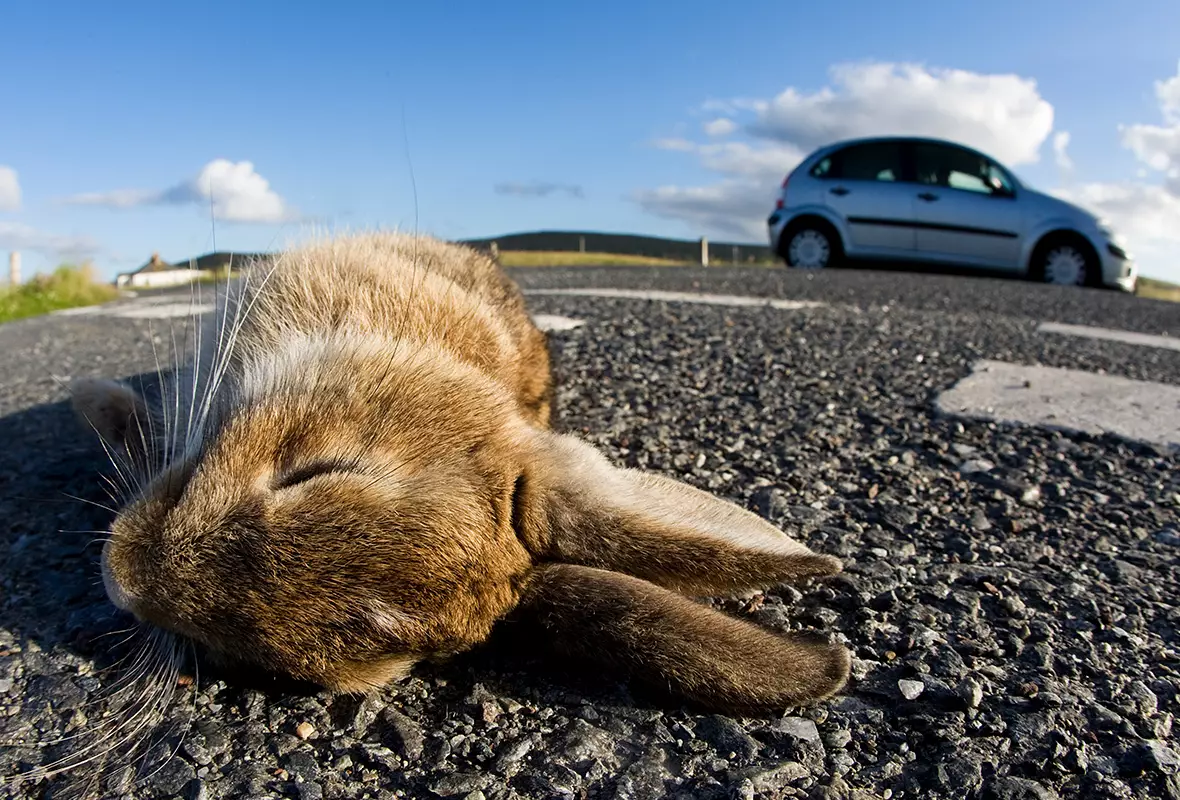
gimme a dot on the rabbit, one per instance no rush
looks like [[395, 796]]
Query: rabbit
[[357, 472]]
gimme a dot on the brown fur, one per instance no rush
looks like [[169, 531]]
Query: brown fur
[[375, 482]]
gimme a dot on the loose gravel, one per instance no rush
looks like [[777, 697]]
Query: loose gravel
[[1009, 592]]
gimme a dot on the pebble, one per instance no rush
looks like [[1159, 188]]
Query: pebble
[[970, 692], [911, 689]]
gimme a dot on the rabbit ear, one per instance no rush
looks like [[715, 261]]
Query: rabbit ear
[[663, 639], [573, 506]]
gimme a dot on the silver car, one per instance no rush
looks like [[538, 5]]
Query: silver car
[[920, 199]]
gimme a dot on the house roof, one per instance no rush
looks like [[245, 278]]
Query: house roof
[[156, 264]]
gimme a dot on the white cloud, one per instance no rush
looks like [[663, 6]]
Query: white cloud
[[732, 208], [9, 189], [1158, 148], [722, 126], [1144, 213], [1168, 94], [119, 198], [235, 190], [680, 145], [538, 189], [766, 162], [1147, 213], [1003, 115], [1060, 144], [18, 236]]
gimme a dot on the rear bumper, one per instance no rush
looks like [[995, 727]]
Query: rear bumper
[[774, 230]]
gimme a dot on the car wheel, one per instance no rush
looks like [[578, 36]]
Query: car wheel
[[809, 246], [1064, 262]]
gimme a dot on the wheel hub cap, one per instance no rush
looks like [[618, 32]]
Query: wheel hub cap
[[809, 250], [1065, 266]]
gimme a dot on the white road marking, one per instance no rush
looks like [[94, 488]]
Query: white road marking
[[80, 311], [1068, 399], [157, 308], [163, 311], [555, 322], [1111, 334], [684, 297]]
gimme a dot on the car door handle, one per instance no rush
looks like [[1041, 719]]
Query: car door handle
[[929, 197], [839, 190]]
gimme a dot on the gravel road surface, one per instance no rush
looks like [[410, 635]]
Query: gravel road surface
[[1010, 592]]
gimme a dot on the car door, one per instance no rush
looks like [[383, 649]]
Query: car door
[[966, 211], [865, 187]]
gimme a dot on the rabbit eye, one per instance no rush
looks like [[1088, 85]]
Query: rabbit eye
[[311, 470]]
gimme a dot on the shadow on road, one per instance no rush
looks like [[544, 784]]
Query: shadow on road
[[53, 498]]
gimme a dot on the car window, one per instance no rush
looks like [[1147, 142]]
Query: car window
[[955, 168], [999, 177], [823, 168], [873, 161]]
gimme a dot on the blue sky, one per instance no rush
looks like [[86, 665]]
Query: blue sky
[[117, 120]]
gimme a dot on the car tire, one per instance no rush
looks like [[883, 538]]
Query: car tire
[[1065, 261], [810, 244]]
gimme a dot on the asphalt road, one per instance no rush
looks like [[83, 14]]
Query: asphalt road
[[1010, 590]]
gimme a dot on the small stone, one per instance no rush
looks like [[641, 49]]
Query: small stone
[[911, 689], [797, 728], [974, 466], [979, 521], [727, 736], [405, 734], [1161, 757], [1017, 789], [1031, 495], [838, 739], [970, 692], [305, 730], [1145, 701], [1076, 759], [5, 686], [459, 784], [775, 777], [1014, 606], [1168, 537]]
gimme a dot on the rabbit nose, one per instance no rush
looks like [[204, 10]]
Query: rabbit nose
[[118, 595]]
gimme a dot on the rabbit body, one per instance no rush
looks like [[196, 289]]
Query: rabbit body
[[358, 472]]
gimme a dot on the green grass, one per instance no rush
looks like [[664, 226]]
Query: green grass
[[557, 258], [68, 286], [1157, 290]]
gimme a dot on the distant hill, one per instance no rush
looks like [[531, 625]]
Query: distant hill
[[687, 250], [624, 244], [222, 259]]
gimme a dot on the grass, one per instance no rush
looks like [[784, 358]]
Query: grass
[[557, 258], [1157, 290], [68, 286]]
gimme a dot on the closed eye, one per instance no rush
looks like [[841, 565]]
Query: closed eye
[[314, 469]]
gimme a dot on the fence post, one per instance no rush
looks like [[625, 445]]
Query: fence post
[[704, 252], [581, 244], [14, 268]]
